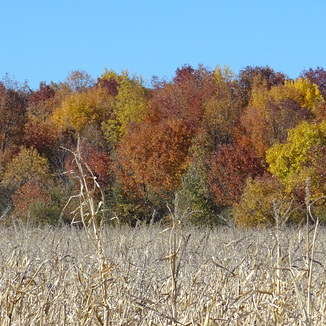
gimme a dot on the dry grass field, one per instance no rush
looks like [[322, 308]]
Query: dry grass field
[[151, 276]]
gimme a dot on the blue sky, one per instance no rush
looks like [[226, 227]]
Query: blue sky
[[46, 40]]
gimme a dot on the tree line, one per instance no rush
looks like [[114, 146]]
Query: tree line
[[227, 147]]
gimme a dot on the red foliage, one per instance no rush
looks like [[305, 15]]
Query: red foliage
[[154, 154], [230, 166], [183, 99], [183, 73], [26, 196], [111, 85], [321, 112], [44, 93], [99, 162], [13, 116], [40, 134]]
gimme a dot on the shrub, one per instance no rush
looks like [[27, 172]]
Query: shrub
[[34, 204]]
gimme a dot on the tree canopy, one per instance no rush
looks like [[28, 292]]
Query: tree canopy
[[220, 141]]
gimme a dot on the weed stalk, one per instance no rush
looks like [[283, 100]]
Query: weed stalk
[[89, 212]]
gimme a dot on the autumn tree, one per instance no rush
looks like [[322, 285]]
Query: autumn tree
[[35, 194], [110, 82], [286, 159], [315, 178], [78, 81], [13, 116], [153, 155], [318, 77], [26, 165], [300, 160], [73, 109], [83, 109], [130, 102], [271, 112], [230, 166], [13, 99], [309, 95], [222, 106], [98, 161], [222, 109], [43, 94], [27, 195], [40, 131], [184, 97], [251, 77], [40, 134], [262, 197], [206, 135]]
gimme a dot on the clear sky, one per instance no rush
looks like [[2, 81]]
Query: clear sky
[[44, 40]]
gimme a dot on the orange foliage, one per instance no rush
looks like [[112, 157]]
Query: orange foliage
[[154, 156], [40, 134], [270, 114]]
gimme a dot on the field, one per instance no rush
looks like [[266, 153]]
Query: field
[[149, 275]]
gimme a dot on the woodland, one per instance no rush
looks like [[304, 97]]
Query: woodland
[[228, 148]]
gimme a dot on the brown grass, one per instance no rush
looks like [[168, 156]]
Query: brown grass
[[225, 276]]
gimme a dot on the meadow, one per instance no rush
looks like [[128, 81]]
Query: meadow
[[158, 275]]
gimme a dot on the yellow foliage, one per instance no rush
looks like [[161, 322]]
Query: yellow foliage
[[287, 159], [256, 204], [298, 183], [223, 74], [83, 108], [222, 110], [310, 94], [268, 126], [131, 104], [27, 165], [259, 97], [108, 74], [293, 162], [302, 91], [282, 92], [270, 113]]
